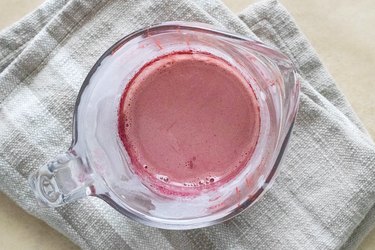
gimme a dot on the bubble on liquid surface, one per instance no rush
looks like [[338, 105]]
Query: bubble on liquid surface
[[163, 178]]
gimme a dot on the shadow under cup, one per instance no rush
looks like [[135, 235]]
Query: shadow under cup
[[100, 164]]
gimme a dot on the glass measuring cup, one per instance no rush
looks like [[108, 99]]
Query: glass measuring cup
[[97, 164]]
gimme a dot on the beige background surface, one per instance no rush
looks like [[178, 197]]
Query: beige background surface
[[342, 32]]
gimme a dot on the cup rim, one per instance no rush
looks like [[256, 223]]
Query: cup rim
[[187, 223]]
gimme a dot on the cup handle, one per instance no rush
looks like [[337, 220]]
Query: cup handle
[[61, 181]]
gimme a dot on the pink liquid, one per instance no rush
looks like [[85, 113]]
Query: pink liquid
[[189, 121]]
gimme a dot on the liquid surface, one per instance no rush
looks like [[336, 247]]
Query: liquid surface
[[188, 120]]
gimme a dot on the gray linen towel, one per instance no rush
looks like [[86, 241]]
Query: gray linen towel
[[322, 199]]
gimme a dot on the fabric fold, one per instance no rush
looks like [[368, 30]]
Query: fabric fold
[[16, 37], [326, 186]]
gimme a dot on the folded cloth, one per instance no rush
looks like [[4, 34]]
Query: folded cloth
[[323, 197]]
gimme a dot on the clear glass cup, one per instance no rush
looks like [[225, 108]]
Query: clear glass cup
[[97, 164]]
